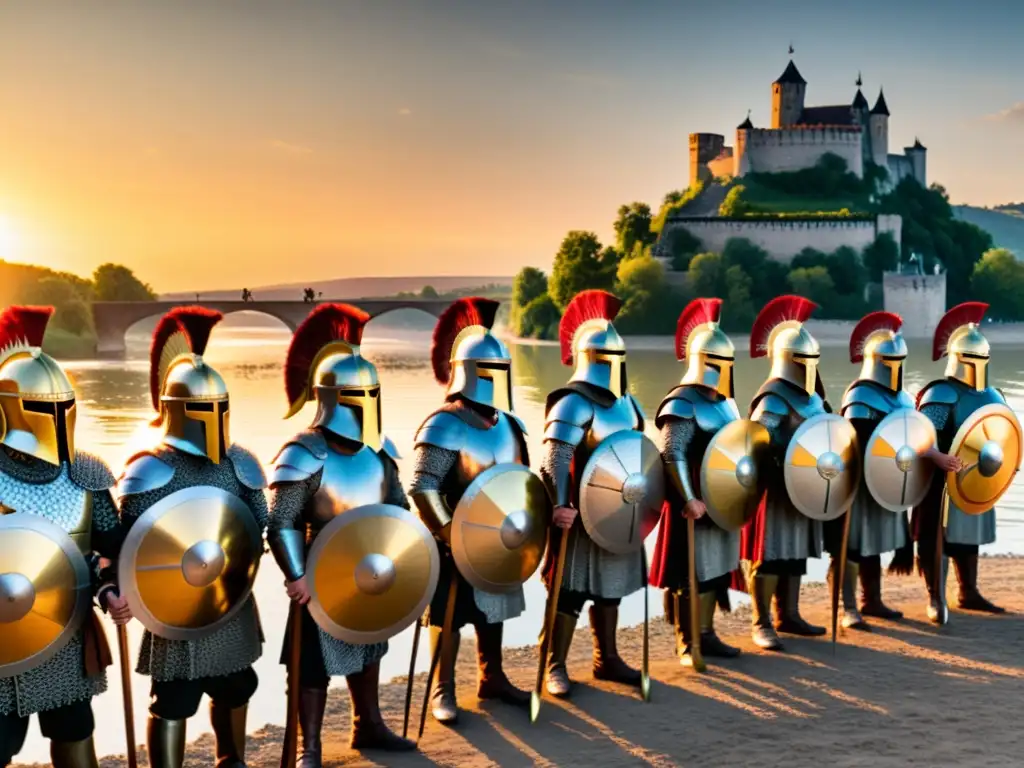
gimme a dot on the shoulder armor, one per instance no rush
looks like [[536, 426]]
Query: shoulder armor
[[639, 410], [387, 445], [518, 422], [91, 472], [674, 407], [298, 460], [870, 395], [938, 393], [442, 430], [247, 468], [144, 472], [903, 400], [568, 418], [770, 403]]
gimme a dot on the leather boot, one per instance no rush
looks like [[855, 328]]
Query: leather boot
[[312, 702], [444, 709], [969, 598], [73, 754], [851, 615], [762, 587], [368, 728], [787, 597], [608, 665], [710, 643], [871, 590], [492, 683], [559, 684], [938, 611], [682, 626], [229, 734], [166, 742]]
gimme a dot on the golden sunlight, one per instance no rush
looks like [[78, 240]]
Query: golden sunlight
[[8, 239]]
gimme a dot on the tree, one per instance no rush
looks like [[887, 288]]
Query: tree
[[428, 292], [581, 263], [846, 271], [531, 283], [998, 279], [707, 275], [70, 313], [643, 275], [739, 289], [539, 319], [114, 282], [734, 205], [679, 246], [633, 225], [813, 283], [881, 256]]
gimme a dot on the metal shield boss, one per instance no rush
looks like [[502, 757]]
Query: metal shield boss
[[45, 591], [730, 473], [990, 446], [500, 527], [622, 489], [371, 573], [896, 470], [822, 467], [189, 562]]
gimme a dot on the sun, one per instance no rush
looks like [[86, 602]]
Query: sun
[[8, 238]]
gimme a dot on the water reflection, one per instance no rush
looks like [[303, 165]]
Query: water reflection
[[115, 412]]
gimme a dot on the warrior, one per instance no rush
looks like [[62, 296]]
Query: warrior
[[777, 541], [687, 419], [341, 462], [475, 429], [879, 346], [195, 451], [46, 483], [949, 402], [591, 407]]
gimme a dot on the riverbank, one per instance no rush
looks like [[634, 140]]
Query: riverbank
[[907, 693]]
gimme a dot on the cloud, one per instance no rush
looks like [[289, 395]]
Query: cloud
[[289, 148], [404, 111], [1014, 113]]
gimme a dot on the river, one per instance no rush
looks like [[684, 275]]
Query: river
[[114, 413]]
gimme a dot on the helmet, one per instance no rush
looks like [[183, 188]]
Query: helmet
[[324, 362], [189, 395], [779, 332], [877, 342], [590, 341], [958, 336], [468, 358], [37, 400], [707, 351]]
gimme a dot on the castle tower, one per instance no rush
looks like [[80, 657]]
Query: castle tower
[[788, 97], [918, 155], [704, 147], [741, 164], [879, 131], [859, 111]]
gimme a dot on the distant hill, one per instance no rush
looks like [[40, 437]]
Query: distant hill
[[348, 288], [1005, 224]]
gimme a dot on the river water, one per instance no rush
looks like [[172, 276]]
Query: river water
[[114, 413]]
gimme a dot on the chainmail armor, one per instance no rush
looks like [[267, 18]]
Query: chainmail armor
[[237, 644]]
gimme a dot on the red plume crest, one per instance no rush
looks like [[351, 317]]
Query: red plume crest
[[961, 314], [697, 312], [778, 310], [326, 324], [461, 314], [869, 324], [586, 305], [23, 325], [194, 323]]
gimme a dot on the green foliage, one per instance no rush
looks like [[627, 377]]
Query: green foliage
[[581, 263], [649, 305], [531, 283], [114, 282], [673, 203], [881, 256], [814, 283], [679, 246], [71, 313], [632, 226], [998, 279], [734, 205], [829, 178], [539, 319], [428, 292]]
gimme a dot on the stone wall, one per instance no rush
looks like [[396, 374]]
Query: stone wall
[[704, 147], [768, 150], [919, 299]]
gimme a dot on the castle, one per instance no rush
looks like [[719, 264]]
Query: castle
[[799, 135]]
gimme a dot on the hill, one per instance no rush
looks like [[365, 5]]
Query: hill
[[350, 288], [1005, 224]]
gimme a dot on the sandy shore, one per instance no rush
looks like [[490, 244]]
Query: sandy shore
[[907, 693]]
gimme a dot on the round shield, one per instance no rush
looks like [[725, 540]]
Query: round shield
[[189, 562], [729, 473], [822, 467], [990, 446], [896, 470], [371, 573], [45, 591], [500, 528], [622, 489]]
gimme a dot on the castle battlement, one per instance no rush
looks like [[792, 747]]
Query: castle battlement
[[774, 137]]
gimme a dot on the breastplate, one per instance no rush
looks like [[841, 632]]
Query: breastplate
[[971, 400], [711, 417], [617, 417], [348, 481], [61, 502], [484, 448]]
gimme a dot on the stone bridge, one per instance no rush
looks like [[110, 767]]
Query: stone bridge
[[112, 319]]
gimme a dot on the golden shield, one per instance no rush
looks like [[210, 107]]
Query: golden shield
[[730, 473], [189, 562], [896, 470], [500, 528], [622, 489], [45, 591], [371, 572], [989, 444], [822, 467]]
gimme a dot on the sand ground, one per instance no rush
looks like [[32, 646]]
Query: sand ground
[[907, 693]]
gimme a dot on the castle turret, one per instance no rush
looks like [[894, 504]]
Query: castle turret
[[741, 164], [918, 155], [704, 147], [788, 97], [879, 131]]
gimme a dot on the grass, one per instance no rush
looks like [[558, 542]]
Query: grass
[[764, 200]]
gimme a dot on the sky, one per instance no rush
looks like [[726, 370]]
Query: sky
[[220, 144]]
